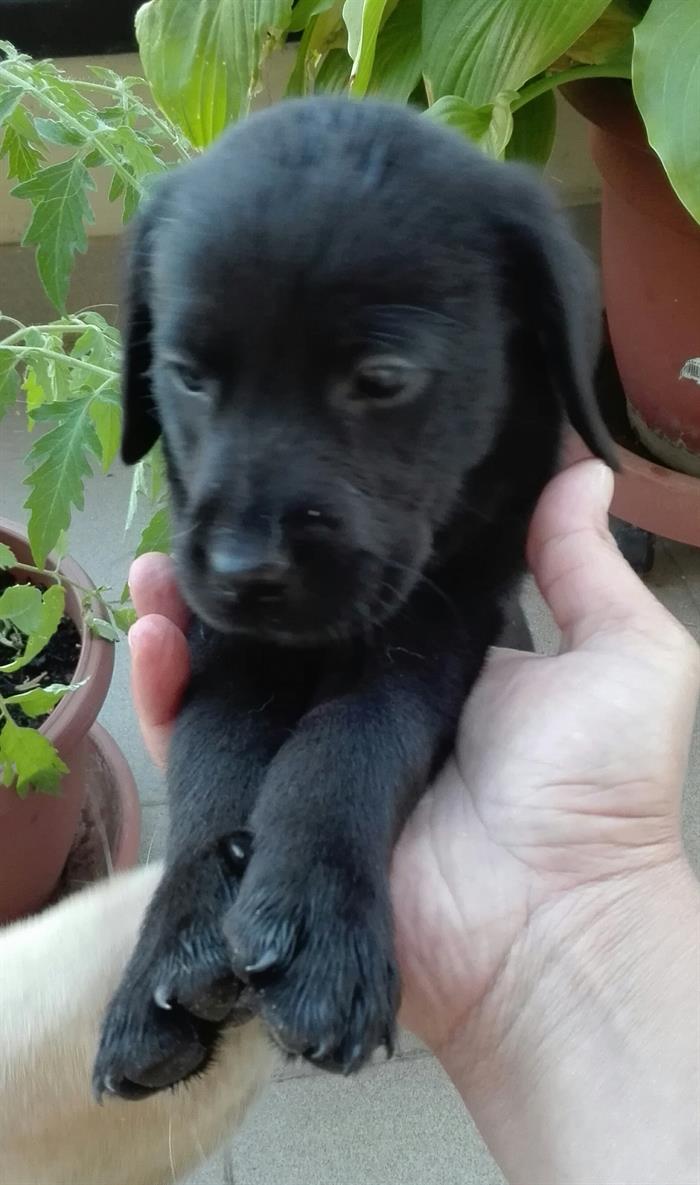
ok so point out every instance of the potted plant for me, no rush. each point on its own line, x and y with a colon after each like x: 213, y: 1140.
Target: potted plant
x: 57, y: 631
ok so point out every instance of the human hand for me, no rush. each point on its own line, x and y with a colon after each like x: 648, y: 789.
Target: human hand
x: 566, y: 775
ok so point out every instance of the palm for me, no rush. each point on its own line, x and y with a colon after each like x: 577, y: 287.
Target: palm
x: 560, y: 778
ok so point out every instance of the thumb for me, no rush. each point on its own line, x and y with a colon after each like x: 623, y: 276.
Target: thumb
x: 588, y: 585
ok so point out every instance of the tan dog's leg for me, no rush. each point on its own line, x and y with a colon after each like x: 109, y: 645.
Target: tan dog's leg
x: 57, y: 973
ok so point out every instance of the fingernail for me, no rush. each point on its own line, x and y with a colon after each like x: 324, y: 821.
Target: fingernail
x: 603, y: 481
x: 129, y: 642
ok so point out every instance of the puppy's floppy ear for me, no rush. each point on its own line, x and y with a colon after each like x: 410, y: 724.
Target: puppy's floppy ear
x: 554, y: 287
x: 141, y: 425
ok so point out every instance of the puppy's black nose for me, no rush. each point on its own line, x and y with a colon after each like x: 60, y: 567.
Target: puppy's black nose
x: 248, y: 568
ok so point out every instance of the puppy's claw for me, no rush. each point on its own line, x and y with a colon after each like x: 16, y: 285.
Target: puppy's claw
x: 266, y: 962
x: 162, y: 999
x: 238, y: 848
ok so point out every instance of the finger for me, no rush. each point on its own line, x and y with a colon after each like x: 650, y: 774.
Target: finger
x: 160, y: 669
x: 154, y: 589
x: 580, y: 572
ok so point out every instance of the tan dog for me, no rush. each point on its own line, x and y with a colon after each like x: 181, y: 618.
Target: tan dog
x: 57, y: 972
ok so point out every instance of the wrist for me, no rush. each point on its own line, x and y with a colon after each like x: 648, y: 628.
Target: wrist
x: 580, y: 1063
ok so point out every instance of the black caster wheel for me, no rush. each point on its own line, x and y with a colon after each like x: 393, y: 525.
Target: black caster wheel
x: 637, y: 546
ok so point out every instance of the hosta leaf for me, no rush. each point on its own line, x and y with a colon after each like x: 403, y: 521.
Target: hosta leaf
x: 59, y: 464
x: 398, y: 56
x: 61, y: 211
x: 608, y: 37
x: 51, y: 607
x: 203, y: 60
x: 305, y: 10
x: 333, y: 77
x: 666, y: 82
x: 478, y: 49
x: 7, y: 559
x: 156, y: 534
x: 363, y: 19
x: 21, y: 605
x: 490, y: 126
x: 31, y: 759
x: 534, y: 128
x: 39, y: 701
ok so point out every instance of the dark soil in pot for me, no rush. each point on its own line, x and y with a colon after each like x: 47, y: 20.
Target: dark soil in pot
x: 55, y: 664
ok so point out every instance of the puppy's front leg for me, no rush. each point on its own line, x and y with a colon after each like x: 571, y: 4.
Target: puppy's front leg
x: 179, y: 989
x: 311, y: 929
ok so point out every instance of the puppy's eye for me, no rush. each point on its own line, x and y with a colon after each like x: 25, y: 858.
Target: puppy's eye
x: 386, y: 381
x: 189, y: 378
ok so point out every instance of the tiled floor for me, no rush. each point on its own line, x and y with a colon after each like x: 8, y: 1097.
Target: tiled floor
x: 396, y: 1123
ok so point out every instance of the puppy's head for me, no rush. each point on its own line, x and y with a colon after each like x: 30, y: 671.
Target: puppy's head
x: 318, y: 318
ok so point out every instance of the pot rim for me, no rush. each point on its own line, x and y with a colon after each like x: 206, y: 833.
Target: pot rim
x: 74, y: 716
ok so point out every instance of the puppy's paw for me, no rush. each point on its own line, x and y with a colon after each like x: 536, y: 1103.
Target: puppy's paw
x: 315, y: 946
x: 179, y: 989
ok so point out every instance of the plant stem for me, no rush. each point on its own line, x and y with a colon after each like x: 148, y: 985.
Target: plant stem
x: 74, y: 123
x: 559, y: 78
x: 56, y: 357
x: 54, y: 327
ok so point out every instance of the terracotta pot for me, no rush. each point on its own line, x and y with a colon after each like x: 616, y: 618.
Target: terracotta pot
x: 36, y: 832
x: 109, y: 830
x: 651, y: 270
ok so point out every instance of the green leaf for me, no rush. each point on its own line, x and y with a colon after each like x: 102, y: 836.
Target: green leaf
x: 318, y: 60
x: 23, y: 154
x: 58, y: 133
x: 102, y: 629
x: 39, y: 701
x: 666, y: 83
x: 57, y: 228
x: 9, y: 380
x: 94, y: 159
x: 106, y: 415
x: 7, y: 559
x: 333, y: 77
x: 534, y: 129
x: 203, y: 60
x: 304, y: 11
x: 21, y: 605
x: 478, y: 49
x: 9, y: 98
x: 398, y: 57
x: 32, y: 759
x: 50, y: 614
x: 608, y: 38
x: 35, y: 393
x: 363, y: 19
x: 59, y: 464
x: 490, y: 126
x: 124, y: 617
x: 156, y: 534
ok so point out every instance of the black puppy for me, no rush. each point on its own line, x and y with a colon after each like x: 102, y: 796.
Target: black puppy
x: 358, y: 338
